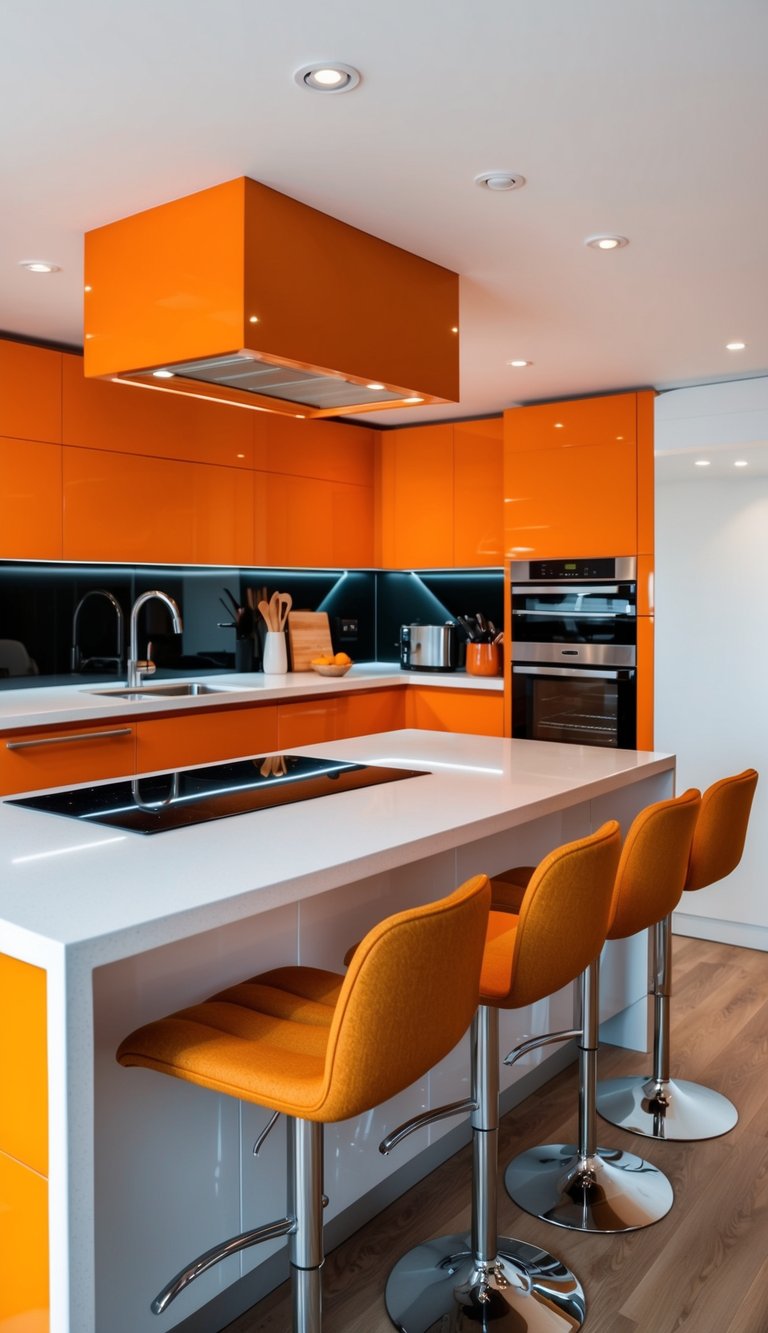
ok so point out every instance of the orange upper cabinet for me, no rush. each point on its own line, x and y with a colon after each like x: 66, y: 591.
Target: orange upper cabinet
x: 478, y: 538
x: 105, y: 415
x: 305, y: 521
x: 329, y: 450
x: 246, y: 295
x: 572, y: 481
x: 30, y: 392
x: 416, y: 497
x: 30, y: 500
x: 122, y: 507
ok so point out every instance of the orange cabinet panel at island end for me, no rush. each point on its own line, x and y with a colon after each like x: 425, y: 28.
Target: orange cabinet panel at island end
x: 24, y: 1299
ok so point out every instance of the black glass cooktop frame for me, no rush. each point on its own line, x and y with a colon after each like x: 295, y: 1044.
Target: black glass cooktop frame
x: 166, y: 801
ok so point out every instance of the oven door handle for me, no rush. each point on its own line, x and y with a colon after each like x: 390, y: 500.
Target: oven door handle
x: 571, y: 613
x: 579, y: 673
x: 569, y: 585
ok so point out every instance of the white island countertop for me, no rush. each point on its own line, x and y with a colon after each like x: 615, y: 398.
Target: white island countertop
x: 106, y: 893
x: 63, y: 704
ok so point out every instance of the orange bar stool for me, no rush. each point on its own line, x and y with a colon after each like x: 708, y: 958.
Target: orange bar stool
x: 320, y: 1048
x: 580, y: 1185
x: 661, y: 1107
x: 483, y: 1279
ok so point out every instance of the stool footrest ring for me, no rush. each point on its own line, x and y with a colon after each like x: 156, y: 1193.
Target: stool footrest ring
x: 284, y: 1226
x: 546, y: 1039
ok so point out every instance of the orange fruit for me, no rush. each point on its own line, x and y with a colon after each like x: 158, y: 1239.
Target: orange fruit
x: 341, y: 659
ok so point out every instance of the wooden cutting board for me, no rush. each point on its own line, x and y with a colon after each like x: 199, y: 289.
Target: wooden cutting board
x: 309, y: 635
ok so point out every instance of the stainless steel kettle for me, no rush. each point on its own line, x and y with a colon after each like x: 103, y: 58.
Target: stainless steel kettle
x: 429, y: 647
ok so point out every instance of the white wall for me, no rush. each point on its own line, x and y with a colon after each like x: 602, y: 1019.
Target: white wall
x: 712, y: 670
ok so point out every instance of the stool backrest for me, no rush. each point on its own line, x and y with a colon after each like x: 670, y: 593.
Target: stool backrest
x: 721, y: 830
x: 563, y: 916
x: 653, y: 865
x: 409, y: 994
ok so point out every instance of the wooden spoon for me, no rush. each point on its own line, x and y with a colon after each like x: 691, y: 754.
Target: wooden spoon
x: 266, y: 610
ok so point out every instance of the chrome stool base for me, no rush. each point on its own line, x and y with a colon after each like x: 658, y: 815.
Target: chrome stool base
x: 665, y: 1109
x: 439, y: 1287
x: 608, y: 1191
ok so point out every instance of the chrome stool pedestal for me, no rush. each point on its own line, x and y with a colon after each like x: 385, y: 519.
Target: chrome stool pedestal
x: 658, y: 1106
x: 581, y: 1186
x: 482, y: 1281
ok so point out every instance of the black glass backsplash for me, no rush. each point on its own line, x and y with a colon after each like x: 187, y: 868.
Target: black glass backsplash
x: 38, y: 602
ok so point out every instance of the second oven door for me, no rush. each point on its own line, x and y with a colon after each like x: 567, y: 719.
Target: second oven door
x: 597, y: 615
x: 579, y: 707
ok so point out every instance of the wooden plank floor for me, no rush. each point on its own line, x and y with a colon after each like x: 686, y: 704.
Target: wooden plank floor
x: 703, y: 1268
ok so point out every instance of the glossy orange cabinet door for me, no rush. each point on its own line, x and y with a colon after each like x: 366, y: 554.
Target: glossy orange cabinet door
x: 478, y: 475
x: 60, y: 756
x: 466, y: 711
x: 329, y: 450
x: 30, y: 500
x: 101, y: 414
x: 568, y: 425
x: 123, y: 507
x: 24, y: 1062
x: 416, y: 497
x: 305, y: 521
x: 571, y: 502
x: 30, y: 392
x: 307, y: 722
x: 24, y: 1293
x: 365, y: 714
x: 204, y: 737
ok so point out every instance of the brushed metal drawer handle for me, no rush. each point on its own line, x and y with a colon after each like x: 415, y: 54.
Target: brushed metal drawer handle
x: 64, y: 740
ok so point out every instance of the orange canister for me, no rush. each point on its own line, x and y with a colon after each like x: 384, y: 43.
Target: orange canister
x: 483, y: 659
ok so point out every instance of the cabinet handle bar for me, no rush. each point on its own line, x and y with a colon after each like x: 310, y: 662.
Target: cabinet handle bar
x: 64, y: 740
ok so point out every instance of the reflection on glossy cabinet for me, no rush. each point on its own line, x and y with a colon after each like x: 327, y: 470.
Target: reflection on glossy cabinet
x: 30, y: 392
x: 24, y: 1298
x: 375, y: 710
x: 471, y: 712
x: 102, y: 414
x: 30, y: 500
x: 24, y: 1062
x: 308, y: 521
x: 478, y: 468
x: 205, y: 737
x: 60, y: 756
x: 123, y: 507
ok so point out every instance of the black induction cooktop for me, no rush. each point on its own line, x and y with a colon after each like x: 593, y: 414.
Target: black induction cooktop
x: 197, y: 795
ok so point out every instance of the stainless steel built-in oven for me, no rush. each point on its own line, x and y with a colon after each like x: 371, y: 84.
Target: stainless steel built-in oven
x: 574, y: 651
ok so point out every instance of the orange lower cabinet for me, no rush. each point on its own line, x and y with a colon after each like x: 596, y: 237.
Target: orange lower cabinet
x: 364, y: 714
x: 24, y: 1062
x: 60, y: 756
x: 24, y: 1299
x: 30, y: 500
x: 306, y: 723
x: 471, y: 711
x: 204, y: 737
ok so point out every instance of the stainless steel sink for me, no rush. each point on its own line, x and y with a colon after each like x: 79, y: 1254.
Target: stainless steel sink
x: 168, y: 690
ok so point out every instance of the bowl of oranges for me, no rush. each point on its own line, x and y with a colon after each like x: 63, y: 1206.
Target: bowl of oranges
x: 331, y: 664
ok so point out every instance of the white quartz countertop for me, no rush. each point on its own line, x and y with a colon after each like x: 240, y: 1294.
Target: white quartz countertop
x: 107, y: 893
x: 44, y: 706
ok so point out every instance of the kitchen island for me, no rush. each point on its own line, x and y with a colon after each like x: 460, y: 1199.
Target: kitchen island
x: 144, y: 1173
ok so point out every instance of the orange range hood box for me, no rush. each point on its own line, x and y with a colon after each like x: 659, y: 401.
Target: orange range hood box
x: 243, y: 295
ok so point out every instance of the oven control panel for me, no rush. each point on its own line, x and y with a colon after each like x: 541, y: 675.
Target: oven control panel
x: 572, y: 569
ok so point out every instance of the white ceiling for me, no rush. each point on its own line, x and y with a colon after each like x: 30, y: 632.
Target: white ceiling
x: 642, y: 117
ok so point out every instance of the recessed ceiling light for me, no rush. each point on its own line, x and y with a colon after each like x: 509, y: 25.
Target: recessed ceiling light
x: 702, y: 462
x: 413, y: 400
x: 374, y: 386
x: 325, y: 76
x: 607, y: 242
x: 39, y: 266
x: 518, y: 364
x: 741, y: 462
x: 500, y: 180
x: 163, y: 374
x: 735, y: 347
